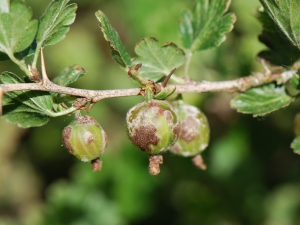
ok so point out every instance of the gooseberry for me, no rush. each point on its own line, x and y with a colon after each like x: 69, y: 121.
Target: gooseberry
x: 85, y: 139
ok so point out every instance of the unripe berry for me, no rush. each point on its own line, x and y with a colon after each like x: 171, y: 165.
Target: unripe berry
x: 194, y: 131
x: 152, y: 127
x: 85, y: 138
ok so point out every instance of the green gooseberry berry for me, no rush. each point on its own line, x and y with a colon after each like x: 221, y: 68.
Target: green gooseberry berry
x: 194, y: 131
x: 85, y: 139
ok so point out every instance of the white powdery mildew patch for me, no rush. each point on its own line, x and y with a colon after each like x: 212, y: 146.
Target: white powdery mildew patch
x: 203, y: 146
x: 185, y: 154
x: 84, y: 159
x: 87, y: 137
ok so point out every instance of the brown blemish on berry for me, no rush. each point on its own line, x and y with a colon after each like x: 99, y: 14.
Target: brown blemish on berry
x: 153, y: 104
x: 86, y: 120
x: 189, y: 129
x: 176, y: 148
x: 90, y: 140
x: 177, y: 129
x: 168, y: 115
x: 144, y: 137
x: 106, y: 141
x: 66, y: 134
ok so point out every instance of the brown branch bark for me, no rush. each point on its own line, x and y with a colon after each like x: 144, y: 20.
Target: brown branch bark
x: 241, y: 84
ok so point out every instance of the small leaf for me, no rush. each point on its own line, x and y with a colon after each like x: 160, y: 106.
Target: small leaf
x: 285, y: 13
x: 55, y: 22
x: 281, y: 50
x: 69, y: 75
x: 260, y: 101
x: 26, y: 108
x: 206, y: 26
x: 295, y: 81
x: 165, y: 93
x: 16, y: 114
x: 17, y: 30
x: 62, y: 102
x: 157, y: 61
x: 295, y: 145
x: 117, y: 48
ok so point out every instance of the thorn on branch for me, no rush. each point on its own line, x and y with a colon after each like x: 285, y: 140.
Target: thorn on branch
x: 264, y: 64
x: 166, y: 80
x: 91, y: 106
x: 44, y: 73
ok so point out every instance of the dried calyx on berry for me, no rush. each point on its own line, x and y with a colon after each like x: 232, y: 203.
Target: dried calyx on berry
x: 194, y: 132
x: 153, y: 127
x: 85, y: 138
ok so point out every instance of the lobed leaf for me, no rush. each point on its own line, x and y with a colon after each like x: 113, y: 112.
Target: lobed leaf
x: 285, y: 14
x: 206, y: 26
x: 25, y: 108
x: 69, y: 75
x: 17, y: 30
x: 117, y: 48
x: 157, y: 61
x: 55, y: 22
x: 261, y: 100
x: 281, y: 51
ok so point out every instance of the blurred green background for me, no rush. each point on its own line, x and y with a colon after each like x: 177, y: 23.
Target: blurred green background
x: 253, y: 177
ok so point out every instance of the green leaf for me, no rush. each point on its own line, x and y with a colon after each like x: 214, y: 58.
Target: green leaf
x: 206, y: 26
x: 17, y: 30
x: 295, y: 81
x: 25, y: 108
x: 62, y: 102
x: 285, y: 13
x: 157, y: 61
x: 261, y: 100
x: 117, y: 48
x: 281, y: 50
x: 55, y: 22
x: 295, y: 145
x: 69, y: 75
x: 15, y: 114
x: 20, y: 55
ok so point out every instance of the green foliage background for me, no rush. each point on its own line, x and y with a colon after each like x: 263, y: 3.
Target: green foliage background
x: 253, y: 176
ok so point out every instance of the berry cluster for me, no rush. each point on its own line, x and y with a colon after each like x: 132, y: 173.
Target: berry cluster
x: 154, y: 127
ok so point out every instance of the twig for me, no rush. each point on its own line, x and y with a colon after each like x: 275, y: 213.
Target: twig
x: 241, y: 84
